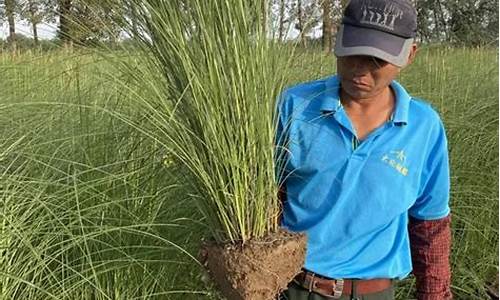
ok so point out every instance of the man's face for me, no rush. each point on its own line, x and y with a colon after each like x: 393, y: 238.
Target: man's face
x: 365, y: 76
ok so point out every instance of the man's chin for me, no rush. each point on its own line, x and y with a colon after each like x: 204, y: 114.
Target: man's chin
x: 357, y: 93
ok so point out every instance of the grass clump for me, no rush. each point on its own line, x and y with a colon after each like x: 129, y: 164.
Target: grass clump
x: 215, y: 114
x: 89, y: 210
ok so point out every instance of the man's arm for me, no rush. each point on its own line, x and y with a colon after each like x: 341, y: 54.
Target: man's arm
x: 430, y: 250
x: 429, y: 223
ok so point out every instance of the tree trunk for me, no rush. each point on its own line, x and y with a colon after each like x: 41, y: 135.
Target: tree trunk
x: 300, y: 16
x: 9, y: 11
x: 35, y: 34
x: 64, y: 21
x: 327, y: 26
x: 343, y: 6
x: 281, y: 20
x: 440, y: 18
x: 265, y: 5
x: 34, y: 20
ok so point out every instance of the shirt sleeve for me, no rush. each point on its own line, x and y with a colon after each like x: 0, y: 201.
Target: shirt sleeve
x: 429, y: 223
x: 432, y: 201
x: 281, y: 156
x: 430, y: 243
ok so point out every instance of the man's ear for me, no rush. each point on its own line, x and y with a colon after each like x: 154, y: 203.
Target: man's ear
x: 413, y: 53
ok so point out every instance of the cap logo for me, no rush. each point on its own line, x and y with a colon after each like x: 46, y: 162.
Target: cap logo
x: 380, y: 16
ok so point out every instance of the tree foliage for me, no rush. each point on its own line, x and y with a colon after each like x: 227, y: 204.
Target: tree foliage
x: 86, y: 21
x: 8, y: 11
x: 458, y: 21
x: 444, y: 21
x: 36, y: 12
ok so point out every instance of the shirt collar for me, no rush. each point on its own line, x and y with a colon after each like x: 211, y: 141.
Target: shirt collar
x: 330, y: 100
x: 400, y: 115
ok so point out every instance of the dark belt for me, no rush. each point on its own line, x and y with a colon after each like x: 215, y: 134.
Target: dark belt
x: 334, y: 288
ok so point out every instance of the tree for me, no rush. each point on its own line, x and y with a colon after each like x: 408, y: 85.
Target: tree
x: 327, y: 26
x: 281, y: 21
x: 265, y: 12
x: 89, y: 21
x: 33, y: 16
x: 457, y: 21
x: 64, y: 12
x: 37, y: 11
x: 472, y: 22
x: 281, y: 16
x: 300, y: 19
x: 308, y: 16
x: 9, y: 10
x: 432, y: 24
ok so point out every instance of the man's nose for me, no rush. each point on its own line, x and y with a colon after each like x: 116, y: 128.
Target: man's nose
x: 359, y: 64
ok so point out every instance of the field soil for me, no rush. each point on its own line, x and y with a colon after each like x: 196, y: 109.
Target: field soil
x: 492, y: 289
x: 257, y: 270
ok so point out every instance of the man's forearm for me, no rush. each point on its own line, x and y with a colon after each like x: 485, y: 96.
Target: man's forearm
x: 430, y: 247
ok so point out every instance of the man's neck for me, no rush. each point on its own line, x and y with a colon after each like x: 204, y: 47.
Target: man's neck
x: 381, y: 102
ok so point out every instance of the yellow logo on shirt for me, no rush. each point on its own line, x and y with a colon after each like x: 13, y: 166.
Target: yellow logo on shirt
x: 397, y: 160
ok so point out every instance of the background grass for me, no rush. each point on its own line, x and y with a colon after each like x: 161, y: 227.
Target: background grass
x: 93, y: 208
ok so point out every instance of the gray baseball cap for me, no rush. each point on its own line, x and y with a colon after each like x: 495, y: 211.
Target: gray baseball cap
x: 385, y: 29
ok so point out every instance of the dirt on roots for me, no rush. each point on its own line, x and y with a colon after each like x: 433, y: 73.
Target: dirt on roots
x: 259, y: 269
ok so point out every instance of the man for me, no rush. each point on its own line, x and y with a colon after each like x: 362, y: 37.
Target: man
x: 364, y: 167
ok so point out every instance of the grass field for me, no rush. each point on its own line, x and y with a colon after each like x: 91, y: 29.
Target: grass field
x: 92, y: 207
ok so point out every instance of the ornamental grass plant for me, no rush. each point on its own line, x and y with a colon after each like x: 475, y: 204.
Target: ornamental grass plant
x: 214, y: 109
x: 87, y: 206
x: 93, y: 206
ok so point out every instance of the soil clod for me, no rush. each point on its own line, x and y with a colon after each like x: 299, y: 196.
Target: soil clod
x: 257, y: 270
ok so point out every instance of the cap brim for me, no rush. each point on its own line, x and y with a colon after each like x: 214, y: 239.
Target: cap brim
x: 353, y: 40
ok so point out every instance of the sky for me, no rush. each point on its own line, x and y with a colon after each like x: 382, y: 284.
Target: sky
x: 48, y: 30
x: 45, y: 30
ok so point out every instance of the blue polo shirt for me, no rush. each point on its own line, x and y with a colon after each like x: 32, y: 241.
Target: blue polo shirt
x: 352, y: 197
